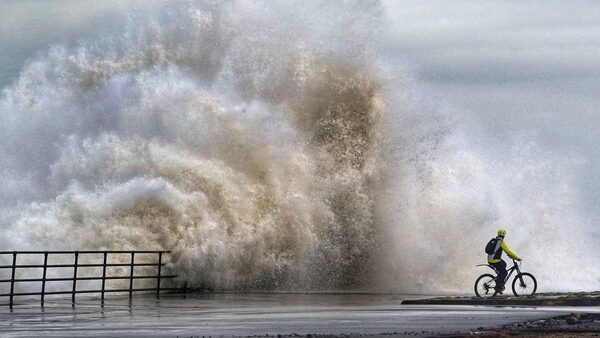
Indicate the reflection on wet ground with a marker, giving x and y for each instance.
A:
(255, 314)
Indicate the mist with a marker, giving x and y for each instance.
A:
(289, 146)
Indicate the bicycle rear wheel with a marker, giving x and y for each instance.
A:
(524, 284)
(484, 286)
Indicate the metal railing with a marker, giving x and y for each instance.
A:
(76, 265)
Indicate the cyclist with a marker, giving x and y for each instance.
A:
(495, 259)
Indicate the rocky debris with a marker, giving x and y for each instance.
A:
(573, 319)
(571, 325)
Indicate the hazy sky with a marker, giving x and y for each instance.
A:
(29, 27)
(524, 64)
(511, 69)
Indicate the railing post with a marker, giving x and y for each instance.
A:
(131, 274)
(44, 277)
(75, 277)
(104, 275)
(12, 279)
(158, 274)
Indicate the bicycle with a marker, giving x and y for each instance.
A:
(524, 283)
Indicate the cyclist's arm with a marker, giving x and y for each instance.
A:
(508, 252)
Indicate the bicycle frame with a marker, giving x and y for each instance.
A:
(509, 272)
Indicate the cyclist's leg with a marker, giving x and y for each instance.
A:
(501, 266)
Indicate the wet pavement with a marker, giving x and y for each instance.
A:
(248, 314)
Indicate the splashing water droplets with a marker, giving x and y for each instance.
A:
(206, 132)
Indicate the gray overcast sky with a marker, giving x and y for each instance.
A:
(523, 64)
(510, 68)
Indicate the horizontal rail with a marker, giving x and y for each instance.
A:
(82, 291)
(82, 252)
(26, 266)
(63, 279)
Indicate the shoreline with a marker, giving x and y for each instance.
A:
(542, 299)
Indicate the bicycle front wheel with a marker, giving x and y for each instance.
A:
(524, 284)
(484, 286)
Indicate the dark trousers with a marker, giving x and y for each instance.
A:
(501, 267)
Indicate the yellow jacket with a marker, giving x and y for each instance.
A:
(497, 255)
